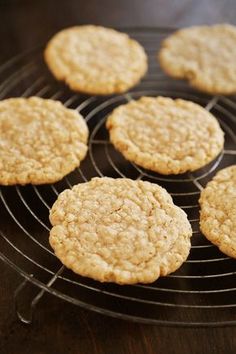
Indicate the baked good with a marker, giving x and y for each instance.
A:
(204, 55)
(41, 140)
(218, 210)
(165, 135)
(119, 230)
(96, 60)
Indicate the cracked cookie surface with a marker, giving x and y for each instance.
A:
(96, 60)
(119, 230)
(165, 135)
(218, 211)
(204, 55)
(41, 140)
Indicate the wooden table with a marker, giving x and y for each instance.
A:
(58, 327)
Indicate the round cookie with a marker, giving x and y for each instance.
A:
(218, 211)
(119, 230)
(204, 55)
(165, 135)
(41, 140)
(96, 60)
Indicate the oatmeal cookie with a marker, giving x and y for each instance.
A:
(119, 230)
(204, 55)
(218, 211)
(165, 135)
(96, 60)
(41, 140)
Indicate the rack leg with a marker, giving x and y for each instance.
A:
(27, 316)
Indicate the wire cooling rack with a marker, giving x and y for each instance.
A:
(201, 292)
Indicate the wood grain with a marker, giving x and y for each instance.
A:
(61, 328)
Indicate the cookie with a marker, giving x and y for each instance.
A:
(204, 55)
(218, 211)
(41, 140)
(96, 60)
(119, 230)
(165, 135)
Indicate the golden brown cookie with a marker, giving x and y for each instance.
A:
(41, 140)
(218, 211)
(204, 55)
(119, 230)
(165, 135)
(96, 60)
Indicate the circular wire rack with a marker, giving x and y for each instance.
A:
(203, 290)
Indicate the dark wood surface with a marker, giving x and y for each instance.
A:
(60, 327)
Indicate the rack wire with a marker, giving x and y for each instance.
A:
(202, 291)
